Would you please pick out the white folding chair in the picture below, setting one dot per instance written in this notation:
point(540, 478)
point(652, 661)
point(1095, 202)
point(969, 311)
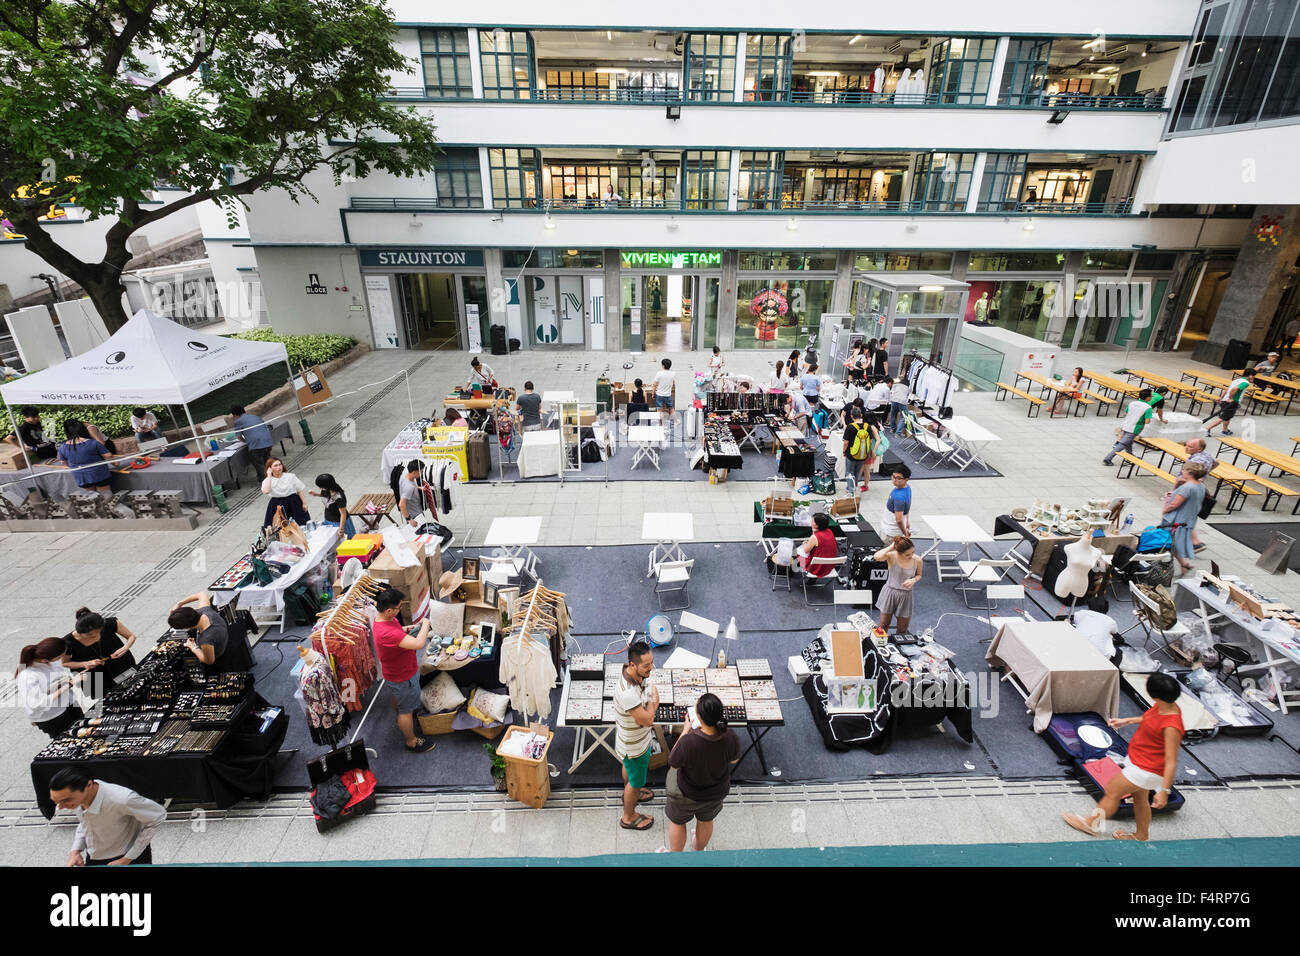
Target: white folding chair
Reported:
point(862, 597)
point(1003, 592)
point(781, 553)
point(1147, 613)
point(981, 573)
point(829, 578)
point(677, 576)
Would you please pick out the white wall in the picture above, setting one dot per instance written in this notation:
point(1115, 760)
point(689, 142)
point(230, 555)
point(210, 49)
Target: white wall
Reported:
point(768, 127)
point(1114, 17)
point(291, 310)
point(721, 231)
point(1251, 166)
point(274, 217)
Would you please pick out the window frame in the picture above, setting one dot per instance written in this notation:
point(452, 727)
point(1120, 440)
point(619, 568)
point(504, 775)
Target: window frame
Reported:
point(464, 92)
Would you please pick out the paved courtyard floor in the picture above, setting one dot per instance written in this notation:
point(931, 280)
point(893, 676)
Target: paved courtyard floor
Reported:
point(139, 575)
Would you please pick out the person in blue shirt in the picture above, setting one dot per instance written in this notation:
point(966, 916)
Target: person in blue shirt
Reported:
point(895, 520)
point(254, 433)
point(79, 450)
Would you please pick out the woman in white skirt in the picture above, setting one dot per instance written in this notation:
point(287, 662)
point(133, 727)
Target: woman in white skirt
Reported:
point(904, 574)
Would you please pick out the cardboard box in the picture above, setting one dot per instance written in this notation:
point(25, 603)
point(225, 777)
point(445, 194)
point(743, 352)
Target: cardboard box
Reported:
point(11, 457)
point(412, 581)
point(311, 387)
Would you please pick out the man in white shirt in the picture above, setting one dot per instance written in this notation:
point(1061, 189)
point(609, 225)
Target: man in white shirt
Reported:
point(799, 410)
point(878, 397)
point(1139, 412)
point(635, 703)
point(114, 825)
point(1097, 626)
point(664, 383)
point(899, 393)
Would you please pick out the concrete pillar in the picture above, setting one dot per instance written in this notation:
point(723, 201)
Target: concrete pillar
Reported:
point(843, 280)
point(613, 301)
point(727, 299)
point(1258, 279)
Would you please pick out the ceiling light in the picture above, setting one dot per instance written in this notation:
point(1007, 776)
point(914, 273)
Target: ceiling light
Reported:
point(931, 288)
point(856, 38)
point(1028, 226)
point(672, 224)
point(823, 73)
point(609, 34)
point(1108, 69)
point(550, 223)
point(791, 224)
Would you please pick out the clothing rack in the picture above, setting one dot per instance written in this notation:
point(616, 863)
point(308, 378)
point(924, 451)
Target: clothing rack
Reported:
point(911, 358)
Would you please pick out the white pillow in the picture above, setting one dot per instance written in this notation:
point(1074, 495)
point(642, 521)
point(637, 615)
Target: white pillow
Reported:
point(488, 707)
point(441, 694)
point(446, 620)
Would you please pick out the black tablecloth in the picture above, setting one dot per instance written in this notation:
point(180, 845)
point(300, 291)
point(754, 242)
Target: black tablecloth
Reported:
point(482, 671)
point(240, 766)
point(797, 463)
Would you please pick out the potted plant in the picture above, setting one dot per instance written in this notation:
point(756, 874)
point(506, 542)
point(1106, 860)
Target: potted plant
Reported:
point(498, 767)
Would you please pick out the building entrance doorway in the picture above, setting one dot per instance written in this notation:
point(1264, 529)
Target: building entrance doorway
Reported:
point(430, 313)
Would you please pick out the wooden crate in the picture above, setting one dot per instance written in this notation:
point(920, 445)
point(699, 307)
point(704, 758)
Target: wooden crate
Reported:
point(528, 781)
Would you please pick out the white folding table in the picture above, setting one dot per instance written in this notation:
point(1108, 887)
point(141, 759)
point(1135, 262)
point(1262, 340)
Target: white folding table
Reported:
point(970, 438)
point(514, 536)
point(539, 454)
point(646, 438)
point(953, 529)
point(667, 530)
point(557, 398)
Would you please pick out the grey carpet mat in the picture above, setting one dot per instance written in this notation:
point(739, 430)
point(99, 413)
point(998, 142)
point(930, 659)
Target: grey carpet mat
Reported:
point(609, 593)
point(1256, 535)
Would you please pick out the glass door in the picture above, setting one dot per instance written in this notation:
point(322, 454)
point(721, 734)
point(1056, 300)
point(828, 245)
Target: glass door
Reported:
point(430, 319)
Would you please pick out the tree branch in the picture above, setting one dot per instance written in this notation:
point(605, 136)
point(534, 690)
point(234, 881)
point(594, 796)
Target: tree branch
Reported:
point(122, 41)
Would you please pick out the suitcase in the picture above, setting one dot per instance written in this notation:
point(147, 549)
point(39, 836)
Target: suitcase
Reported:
point(349, 757)
point(479, 456)
point(1085, 740)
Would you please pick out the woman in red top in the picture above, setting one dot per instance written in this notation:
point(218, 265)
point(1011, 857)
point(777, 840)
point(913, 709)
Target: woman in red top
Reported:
point(820, 544)
point(1152, 760)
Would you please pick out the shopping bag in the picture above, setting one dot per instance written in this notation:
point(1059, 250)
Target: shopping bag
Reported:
point(291, 533)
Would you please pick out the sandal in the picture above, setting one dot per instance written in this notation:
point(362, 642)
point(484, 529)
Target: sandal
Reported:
point(636, 824)
point(1127, 835)
point(645, 795)
point(1080, 824)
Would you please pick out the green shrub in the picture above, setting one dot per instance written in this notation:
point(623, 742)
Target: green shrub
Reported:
point(303, 350)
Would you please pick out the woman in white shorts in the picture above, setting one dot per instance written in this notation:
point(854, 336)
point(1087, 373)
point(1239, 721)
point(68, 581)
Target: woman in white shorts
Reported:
point(1152, 760)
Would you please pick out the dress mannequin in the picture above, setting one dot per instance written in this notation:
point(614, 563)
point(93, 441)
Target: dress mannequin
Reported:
point(878, 80)
point(1080, 558)
point(904, 88)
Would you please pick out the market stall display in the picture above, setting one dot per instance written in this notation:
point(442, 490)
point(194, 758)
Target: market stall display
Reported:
point(540, 454)
point(1046, 527)
point(1242, 616)
point(172, 732)
point(252, 594)
point(748, 701)
point(1094, 749)
point(1055, 669)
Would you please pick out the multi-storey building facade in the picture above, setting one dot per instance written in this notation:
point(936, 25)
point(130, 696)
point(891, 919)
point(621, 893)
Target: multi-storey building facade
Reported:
point(727, 174)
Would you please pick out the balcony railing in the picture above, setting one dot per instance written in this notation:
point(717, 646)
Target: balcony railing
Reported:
point(831, 207)
point(1088, 101)
point(1118, 207)
point(1057, 101)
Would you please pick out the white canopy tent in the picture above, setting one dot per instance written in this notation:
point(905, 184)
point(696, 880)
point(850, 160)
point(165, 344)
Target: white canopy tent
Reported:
point(150, 360)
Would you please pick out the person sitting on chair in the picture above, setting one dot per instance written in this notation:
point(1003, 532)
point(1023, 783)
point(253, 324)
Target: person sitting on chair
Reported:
point(820, 544)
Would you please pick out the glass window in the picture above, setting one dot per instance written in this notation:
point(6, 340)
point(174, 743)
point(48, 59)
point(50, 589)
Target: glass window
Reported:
point(444, 54)
point(1024, 307)
point(458, 179)
point(1157, 261)
point(1004, 175)
point(774, 260)
point(779, 314)
point(767, 68)
point(1017, 261)
point(760, 180)
point(1107, 261)
point(942, 181)
point(708, 173)
point(553, 259)
point(711, 67)
point(507, 64)
point(576, 85)
point(960, 69)
point(890, 261)
point(514, 178)
point(1025, 72)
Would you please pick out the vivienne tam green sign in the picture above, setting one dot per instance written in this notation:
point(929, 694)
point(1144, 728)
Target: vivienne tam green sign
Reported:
point(671, 259)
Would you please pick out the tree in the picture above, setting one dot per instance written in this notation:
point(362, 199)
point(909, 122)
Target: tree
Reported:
point(103, 100)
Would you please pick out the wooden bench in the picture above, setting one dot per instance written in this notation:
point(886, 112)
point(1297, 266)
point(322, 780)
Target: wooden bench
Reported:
point(1135, 462)
point(1273, 490)
point(1296, 440)
point(1264, 400)
point(1035, 404)
point(1105, 400)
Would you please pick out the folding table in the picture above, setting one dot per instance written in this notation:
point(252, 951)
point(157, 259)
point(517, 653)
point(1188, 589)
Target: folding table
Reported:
point(668, 530)
point(646, 438)
point(513, 536)
point(1055, 669)
point(970, 439)
point(953, 529)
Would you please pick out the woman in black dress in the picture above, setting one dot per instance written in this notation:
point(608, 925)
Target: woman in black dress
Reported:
point(100, 645)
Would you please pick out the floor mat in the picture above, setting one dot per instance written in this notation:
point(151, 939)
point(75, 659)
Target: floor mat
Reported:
point(1256, 536)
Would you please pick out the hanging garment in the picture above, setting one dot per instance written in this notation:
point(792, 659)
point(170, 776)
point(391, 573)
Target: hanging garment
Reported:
point(327, 716)
point(529, 672)
point(355, 664)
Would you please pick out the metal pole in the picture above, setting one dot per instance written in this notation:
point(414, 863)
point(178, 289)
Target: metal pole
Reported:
point(203, 458)
point(302, 421)
point(30, 467)
point(406, 372)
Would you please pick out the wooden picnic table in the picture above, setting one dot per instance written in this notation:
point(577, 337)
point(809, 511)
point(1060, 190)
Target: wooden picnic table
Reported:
point(1222, 471)
point(1213, 378)
point(1048, 385)
point(1179, 390)
point(1262, 455)
point(1108, 383)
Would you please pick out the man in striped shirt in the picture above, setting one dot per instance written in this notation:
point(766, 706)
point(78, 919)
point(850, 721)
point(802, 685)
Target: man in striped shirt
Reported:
point(635, 702)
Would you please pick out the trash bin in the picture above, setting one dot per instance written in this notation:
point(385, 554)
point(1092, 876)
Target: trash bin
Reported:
point(1236, 354)
point(497, 338)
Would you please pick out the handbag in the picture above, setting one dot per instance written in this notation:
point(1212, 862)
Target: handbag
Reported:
point(882, 445)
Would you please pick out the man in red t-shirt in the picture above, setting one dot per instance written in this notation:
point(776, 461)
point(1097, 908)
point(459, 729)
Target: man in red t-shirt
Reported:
point(399, 662)
point(1152, 761)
